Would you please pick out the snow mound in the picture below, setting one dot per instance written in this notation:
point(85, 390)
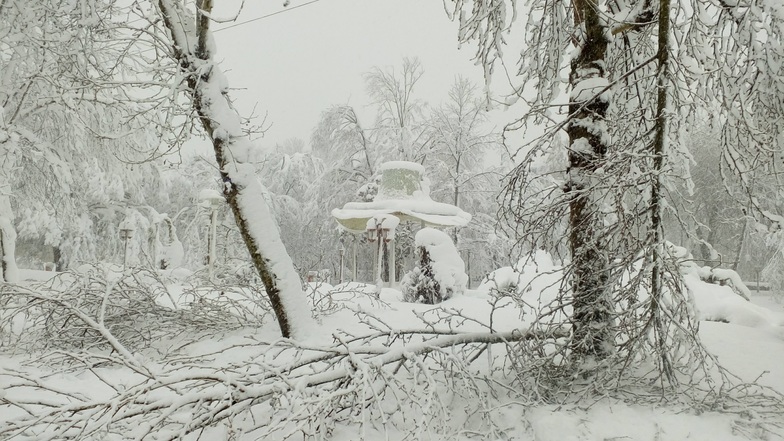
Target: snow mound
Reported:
point(719, 303)
point(520, 276)
point(724, 276)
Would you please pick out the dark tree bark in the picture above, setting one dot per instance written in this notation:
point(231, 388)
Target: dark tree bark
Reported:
point(592, 317)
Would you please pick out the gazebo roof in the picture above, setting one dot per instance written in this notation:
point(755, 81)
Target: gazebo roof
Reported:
point(403, 193)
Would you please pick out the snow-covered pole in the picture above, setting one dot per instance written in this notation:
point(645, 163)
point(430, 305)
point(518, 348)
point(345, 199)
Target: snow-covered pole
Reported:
point(354, 275)
point(381, 229)
point(342, 261)
point(126, 234)
point(212, 199)
point(375, 235)
point(392, 258)
point(213, 239)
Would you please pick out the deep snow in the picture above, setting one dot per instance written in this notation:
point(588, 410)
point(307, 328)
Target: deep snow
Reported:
point(752, 349)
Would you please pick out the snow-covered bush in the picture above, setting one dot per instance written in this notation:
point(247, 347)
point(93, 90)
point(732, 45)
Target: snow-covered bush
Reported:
point(515, 279)
point(439, 273)
point(719, 276)
point(420, 285)
point(102, 306)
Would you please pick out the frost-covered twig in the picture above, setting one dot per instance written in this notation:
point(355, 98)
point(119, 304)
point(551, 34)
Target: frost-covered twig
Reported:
point(283, 373)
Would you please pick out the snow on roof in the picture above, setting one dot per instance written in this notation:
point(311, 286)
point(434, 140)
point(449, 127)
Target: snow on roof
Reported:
point(403, 192)
point(354, 215)
point(403, 165)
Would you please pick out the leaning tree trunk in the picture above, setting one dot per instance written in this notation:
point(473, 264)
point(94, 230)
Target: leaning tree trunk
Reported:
point(592, 316)
point(233, 150)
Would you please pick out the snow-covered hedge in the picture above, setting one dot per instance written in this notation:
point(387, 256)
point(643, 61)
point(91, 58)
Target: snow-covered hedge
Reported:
point(439, 273)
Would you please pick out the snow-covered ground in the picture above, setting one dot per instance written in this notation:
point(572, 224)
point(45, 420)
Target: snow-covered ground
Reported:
point(748, 341)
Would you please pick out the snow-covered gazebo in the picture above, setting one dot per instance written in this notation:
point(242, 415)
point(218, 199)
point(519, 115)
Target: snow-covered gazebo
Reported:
point(403, 192)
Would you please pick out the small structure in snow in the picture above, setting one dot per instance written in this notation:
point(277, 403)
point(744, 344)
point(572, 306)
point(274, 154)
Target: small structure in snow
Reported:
point(213, 200)
point(126, 229)
point(404, 193)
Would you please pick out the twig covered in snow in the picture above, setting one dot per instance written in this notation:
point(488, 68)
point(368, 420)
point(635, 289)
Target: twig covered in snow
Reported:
point(299, 387)
point(98, 309)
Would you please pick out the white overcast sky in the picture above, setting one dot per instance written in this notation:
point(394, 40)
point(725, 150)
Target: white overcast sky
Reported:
point(295, 64)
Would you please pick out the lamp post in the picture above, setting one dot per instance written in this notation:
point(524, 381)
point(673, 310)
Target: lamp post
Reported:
point(126, 234)
point(342, 261)
point(212, 199)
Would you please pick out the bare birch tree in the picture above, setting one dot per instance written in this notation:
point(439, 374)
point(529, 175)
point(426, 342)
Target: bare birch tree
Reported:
point(399, 128)
point(192, 48)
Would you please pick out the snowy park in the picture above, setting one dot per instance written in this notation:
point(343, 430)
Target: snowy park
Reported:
point(551, 220)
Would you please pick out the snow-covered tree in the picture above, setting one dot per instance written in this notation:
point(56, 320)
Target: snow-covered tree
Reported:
point(350, 158)
point(439, 273)
point(190, 45)
point(461, 143)
point(63, 99)
point(464, 162)
point(399, 132)
point(552, 27)
point(634, 72)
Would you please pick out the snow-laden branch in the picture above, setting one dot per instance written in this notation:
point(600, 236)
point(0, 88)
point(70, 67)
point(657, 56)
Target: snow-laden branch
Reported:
point(283, 371)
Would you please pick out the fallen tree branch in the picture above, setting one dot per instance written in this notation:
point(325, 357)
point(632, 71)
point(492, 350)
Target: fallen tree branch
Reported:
point(210, 395)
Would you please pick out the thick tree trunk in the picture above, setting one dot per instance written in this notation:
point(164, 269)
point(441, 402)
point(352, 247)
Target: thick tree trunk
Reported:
point(243, 192)
point(8, 145)
point(592, 334)
point(10, 272)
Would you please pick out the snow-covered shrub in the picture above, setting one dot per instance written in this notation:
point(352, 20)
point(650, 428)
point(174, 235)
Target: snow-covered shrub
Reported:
point(515, 279)
point(439, 273)
point(420, 285)
point(720, 304)
point(719, 276)
point(101, 306)
point(503, 280)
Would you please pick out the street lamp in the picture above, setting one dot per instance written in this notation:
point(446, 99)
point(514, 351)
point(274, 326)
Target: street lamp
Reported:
point(213, 200)
point(342, 261)
point(126, 234)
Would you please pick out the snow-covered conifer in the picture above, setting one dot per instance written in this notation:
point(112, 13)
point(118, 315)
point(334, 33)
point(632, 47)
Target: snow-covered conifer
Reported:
point(439, 273)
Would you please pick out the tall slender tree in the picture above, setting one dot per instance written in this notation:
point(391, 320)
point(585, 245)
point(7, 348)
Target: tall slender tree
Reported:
point(588, 139)
point(191, 46)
